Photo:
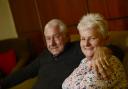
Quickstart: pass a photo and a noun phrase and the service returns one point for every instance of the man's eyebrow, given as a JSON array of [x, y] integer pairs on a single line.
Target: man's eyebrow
[[58, 33]]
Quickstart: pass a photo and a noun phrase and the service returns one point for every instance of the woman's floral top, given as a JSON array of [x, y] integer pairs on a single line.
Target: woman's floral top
[[83, 77]]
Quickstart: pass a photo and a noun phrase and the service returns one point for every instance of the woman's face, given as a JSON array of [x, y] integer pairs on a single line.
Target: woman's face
[[89, 40]]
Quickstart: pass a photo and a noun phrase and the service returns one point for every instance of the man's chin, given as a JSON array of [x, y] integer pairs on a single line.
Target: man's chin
[[55, 53]]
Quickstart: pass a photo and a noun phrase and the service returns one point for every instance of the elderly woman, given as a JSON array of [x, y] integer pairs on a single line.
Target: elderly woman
[[93, 37]]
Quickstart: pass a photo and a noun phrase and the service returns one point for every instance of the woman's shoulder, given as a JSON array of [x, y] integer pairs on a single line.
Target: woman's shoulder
[[115, 59], [116, 64], [117, 51], [84, 60]]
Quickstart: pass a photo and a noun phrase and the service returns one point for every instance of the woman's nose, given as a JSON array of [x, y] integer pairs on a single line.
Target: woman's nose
[[87, 43]]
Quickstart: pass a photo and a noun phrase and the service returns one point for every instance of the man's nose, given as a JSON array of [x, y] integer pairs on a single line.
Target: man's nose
[[53, 42]]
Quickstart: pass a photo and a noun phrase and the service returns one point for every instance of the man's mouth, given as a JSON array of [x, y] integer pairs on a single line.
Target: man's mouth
[[53, 48]]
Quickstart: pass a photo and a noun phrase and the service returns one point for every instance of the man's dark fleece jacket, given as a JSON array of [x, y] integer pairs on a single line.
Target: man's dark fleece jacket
[[51, 71]]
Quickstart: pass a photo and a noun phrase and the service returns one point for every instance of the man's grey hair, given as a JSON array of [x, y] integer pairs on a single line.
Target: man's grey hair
[[94, 20], [56, 23]]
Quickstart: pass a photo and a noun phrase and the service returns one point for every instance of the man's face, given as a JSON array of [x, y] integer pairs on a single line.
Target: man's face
[[55, 40]]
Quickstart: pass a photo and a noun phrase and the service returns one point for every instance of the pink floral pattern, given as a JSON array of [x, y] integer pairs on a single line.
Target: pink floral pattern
[[85, 78]]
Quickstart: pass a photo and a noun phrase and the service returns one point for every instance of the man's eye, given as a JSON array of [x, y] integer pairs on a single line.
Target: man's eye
[[47, 38]]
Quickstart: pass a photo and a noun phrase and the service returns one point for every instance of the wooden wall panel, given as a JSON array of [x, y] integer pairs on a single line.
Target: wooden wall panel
[[115, 11], [27, 22], [36, 40], [98, 6], [118, 25], [70, 11], [117, 8], [25, 16], [30, 16]]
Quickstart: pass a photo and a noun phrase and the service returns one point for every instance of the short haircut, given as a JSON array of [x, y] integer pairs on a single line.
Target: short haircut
[[91, 20], [56, 23]]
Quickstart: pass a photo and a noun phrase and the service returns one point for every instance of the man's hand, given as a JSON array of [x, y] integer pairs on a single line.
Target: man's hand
[[101, 63]]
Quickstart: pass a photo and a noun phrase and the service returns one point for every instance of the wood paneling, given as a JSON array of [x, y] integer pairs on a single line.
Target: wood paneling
[[25, 16], [118, 24], [117, 8], [115, 11], [98, 6], [36, 39], [70, 11], [27, 22], [30, 16]]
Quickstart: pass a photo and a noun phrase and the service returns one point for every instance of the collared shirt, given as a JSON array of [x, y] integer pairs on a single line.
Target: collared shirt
[[84, 78]]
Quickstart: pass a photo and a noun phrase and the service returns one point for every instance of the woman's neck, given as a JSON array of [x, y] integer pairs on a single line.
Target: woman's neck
[[89, 58]]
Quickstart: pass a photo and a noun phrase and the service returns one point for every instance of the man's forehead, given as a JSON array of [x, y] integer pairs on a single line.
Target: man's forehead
[[53, 29], [53, 33]]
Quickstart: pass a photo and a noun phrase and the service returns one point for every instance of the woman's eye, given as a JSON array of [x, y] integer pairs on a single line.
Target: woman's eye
[[93, 37], [81, 39]]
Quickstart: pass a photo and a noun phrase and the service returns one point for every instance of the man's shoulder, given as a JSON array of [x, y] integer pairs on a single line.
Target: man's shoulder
[[44, 54], [74, 48], [74, 44]]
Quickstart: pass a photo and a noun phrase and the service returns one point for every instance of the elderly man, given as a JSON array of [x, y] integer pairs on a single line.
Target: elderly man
[[55, 63]]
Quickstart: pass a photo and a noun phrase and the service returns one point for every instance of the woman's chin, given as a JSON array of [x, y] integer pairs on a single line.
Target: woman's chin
[[89, 55]]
